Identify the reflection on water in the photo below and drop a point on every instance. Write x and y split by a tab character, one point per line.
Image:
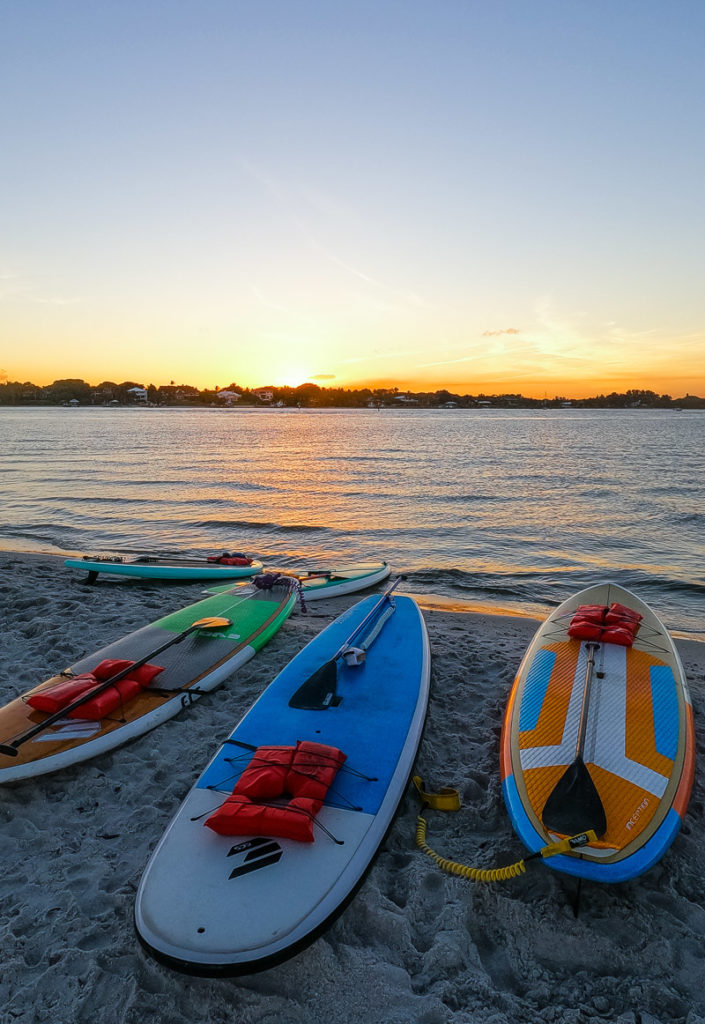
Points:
521	507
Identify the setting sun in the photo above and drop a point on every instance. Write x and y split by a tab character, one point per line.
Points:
291	376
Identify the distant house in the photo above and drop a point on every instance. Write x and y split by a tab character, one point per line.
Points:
228	397
264	394
449	405
101	396
405	400
187	393
137	394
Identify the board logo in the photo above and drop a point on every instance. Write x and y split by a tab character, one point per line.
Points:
637	814
258	853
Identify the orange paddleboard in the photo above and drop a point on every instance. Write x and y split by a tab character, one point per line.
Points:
598	732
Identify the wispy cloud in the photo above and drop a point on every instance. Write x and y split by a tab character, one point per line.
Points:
451	362
13	288
390	354
296	201
496	334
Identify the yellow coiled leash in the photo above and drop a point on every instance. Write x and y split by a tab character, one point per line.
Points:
449	800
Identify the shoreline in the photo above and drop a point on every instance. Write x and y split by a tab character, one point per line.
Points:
426	601
437	949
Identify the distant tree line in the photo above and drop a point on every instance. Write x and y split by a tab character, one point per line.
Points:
79	392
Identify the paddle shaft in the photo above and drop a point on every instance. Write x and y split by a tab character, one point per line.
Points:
318	692
587	686
370	615
574	804
10	749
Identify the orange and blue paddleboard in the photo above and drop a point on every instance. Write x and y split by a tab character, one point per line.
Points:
598	735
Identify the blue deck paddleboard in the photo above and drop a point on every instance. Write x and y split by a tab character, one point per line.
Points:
211	903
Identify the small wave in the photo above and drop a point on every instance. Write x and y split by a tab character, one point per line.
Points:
686	518
73	499
672	599
38	530
468	498
246	524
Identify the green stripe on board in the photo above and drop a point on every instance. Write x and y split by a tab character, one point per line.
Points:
247	615
262	638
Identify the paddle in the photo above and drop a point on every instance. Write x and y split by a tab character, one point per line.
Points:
574	804
212	622
318	692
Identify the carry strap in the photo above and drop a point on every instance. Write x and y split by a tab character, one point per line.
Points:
446	799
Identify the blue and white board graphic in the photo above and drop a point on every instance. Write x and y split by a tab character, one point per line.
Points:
252	901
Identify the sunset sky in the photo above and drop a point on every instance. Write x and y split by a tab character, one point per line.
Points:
497	197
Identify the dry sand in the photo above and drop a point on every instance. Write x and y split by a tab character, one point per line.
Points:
415	945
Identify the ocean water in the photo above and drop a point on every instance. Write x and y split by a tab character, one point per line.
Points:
512	508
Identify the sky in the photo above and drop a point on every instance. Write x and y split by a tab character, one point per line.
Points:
499	197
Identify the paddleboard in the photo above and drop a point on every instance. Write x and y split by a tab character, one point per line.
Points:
630	704
210	903
321	583
191	667
156	568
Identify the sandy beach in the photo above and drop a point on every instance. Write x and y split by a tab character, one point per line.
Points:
415	945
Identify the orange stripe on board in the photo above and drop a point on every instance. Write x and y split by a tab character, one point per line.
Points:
628	808
540	783
640	737
551	721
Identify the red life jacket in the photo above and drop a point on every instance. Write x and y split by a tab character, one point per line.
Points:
587	622
304	772
60	695
226	559
617	624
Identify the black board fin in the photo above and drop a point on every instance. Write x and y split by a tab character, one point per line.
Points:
318	692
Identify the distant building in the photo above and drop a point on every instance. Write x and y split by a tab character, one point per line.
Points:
228	397
137	394
187	393
264	394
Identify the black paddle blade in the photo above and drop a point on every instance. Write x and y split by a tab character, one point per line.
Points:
8	750
318	692
574	805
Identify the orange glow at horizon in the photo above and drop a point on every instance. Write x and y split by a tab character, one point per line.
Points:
535	367
676	385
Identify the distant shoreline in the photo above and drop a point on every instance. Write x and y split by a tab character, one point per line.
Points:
75	391
190	406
